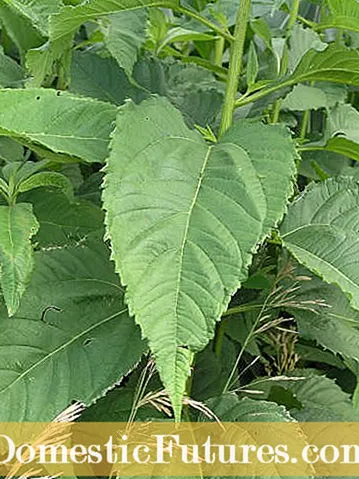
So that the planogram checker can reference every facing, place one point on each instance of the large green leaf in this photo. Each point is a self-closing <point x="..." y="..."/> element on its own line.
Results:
<point x="125" y="33"/>
<point x="338" y="65"/>
<point x="334" y="64"/>
<point x="35" y="11"/>
<point x="71" y="338"/>
<point x="334" y="325"/>
<point x="317" y="398"/>
<point x="322" y="231"/>
<point x="17" y="226"/>
<point x="343" y="14"/>
<point x="62" y="123"/>
<point x="184" y="218"/>
<point x="70" y="18"/>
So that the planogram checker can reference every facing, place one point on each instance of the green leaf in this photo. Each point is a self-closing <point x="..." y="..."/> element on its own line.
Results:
<point x="70" y="18"/>
<point x="273" y="163"/>
<point x="318" y="398"/>
<point x="179" y="34"/>
<point x="47" y="178"/>
<point x="322" y="400"/>
<point x="36" y="12"/>
<point x="10" y="150"/>
<point x="229" y="408"/>
<point x="63" y="223"/>
<point x="342" y="146"/>
<point x="338" y="65"/>
<point x="321" y="230"/>
<point x="334" y="64"/>
<point x="305" y="97"/>
<point x="45" y="62"/>
<point x="318" y="164"/>
<point x="212" y="371"/>
<point x="17" y="226"/>
<point x="301" y="41"/>
<point x="195" y="92"/>
<point x="100" y="78"/>
<point x="72" y="338"/>
<point x="334" y="325"/>
<point x="11" y="74"/>
<point x="342" y="122"/>
<point x="183" y="218"/>
<point x="343" y="15"/>
<point x="63" y="123"/>
<point x="125" y="33"/>
<point x="19" y="28"/>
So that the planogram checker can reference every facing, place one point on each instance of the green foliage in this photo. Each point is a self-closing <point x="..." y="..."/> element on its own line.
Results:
<point x="323" y="234"/>
<point x="70" y="18"/>
<point x="184" y="284"/>
<point x="147" y="187"/>
<point x="75" y="294"/>
<point x="66" y="125"/>
<point x="17" y="226"/>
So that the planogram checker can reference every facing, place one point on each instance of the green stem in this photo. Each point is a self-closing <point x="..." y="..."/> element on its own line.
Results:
<point x="258" y="95"/>
<point x="283" y="65"/>
<point x="304" y="127"/>
<point x="219" y="70"/>
<point x="235" y="67"/>
<point x="212" y="26"/>
<point x="218" y="51"/>
<point x="276" y="111"/>
<point x="292" y="17"/>
<point x="243" y="308"/>
<point x="218" y="342"/>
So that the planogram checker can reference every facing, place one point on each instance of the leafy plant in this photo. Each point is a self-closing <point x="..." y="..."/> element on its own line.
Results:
<point x="179" y="209"/>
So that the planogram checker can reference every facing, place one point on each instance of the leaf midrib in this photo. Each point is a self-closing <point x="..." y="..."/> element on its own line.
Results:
<point x="61" y="348"/>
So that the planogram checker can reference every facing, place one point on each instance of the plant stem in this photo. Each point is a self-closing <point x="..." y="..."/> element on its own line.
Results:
<point x="243" y="308"/>
<point x="218" y="51"/>
<point x="218" y="343"/>
<point x="304" y="127"/>
<point x="212" y="26"/>
<point x="283" y="66"/>
<point x="276" y="111"/>
<point x="235" y="64"/>
<point x="292" y="17"/>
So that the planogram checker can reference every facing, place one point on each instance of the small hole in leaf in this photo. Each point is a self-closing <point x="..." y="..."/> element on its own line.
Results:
<point x="58" y="93"/>
<point x="37" y="98"/>
<point x="184" y="346"/>
<point x="88" y="341"/>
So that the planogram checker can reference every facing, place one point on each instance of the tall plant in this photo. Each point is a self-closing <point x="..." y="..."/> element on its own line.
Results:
<point x="179" y="185"/>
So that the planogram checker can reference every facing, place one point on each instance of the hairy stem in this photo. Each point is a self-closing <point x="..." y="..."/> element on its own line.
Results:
<point x="235" y="67"/>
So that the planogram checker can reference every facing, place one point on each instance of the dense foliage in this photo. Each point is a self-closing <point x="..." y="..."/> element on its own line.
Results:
<point x="179" y="217"/>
